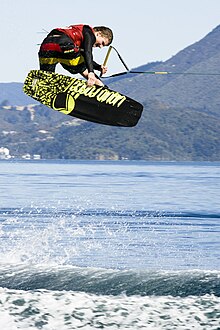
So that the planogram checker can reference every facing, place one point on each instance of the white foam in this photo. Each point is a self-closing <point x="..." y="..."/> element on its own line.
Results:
<point x="51" y="310"/>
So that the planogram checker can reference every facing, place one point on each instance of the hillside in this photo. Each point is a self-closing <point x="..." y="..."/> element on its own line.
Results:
<point x="12" y="94"/>
<point x="179" y="121"/>
<point x="195" y="91"/>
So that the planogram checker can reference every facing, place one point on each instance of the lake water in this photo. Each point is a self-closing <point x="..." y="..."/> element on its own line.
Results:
<point x="109" y="245"/>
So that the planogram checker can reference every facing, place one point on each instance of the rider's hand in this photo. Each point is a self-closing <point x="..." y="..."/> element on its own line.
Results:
<point x="104" y="69"/>
<point x="91" y="79"/>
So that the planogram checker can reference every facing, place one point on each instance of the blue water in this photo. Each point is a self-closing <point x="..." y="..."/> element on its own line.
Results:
<point x="110" y="245"/>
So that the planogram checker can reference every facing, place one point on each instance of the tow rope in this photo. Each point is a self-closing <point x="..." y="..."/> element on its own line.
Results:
<point x="150" y="72"/>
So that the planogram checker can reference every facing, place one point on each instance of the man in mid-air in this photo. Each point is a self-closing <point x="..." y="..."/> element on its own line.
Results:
<point x="72" y="48"/>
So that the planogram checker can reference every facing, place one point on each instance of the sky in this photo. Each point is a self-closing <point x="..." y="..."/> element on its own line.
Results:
<point x="144" y="30"/>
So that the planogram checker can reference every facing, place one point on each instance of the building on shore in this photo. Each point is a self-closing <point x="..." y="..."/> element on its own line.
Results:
<point x="4" y="153"/>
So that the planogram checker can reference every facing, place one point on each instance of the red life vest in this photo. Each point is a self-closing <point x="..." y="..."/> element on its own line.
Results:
<point x="75" y="32"/>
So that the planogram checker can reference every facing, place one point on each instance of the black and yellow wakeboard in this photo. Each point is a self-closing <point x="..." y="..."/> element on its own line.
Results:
<point x="73" y="97"/>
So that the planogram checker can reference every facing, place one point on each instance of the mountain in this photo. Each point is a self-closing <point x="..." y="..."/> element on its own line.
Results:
<point x="180" y="119"/>
<point x="12" y="94"/>
<point x="199" y="91"/>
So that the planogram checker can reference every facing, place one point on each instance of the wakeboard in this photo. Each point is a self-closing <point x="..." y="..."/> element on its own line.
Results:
<point x="73" y="97"/>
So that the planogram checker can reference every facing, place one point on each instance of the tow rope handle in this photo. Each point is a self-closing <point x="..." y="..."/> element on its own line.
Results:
<point x="106" y="58"/>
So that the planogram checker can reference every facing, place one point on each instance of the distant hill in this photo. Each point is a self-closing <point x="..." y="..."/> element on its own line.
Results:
<point x="12" y="94"/>
<point x="180" y="119"/>
<point x="195" y="91"/>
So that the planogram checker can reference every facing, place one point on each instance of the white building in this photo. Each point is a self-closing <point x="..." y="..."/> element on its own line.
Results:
<point x="4" y="153"/>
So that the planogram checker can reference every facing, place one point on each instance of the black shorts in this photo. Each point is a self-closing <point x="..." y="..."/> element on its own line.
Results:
<point x="56" y="48"/>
